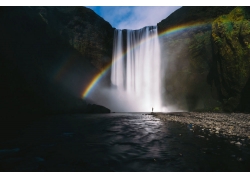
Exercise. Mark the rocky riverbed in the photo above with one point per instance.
(234, 127)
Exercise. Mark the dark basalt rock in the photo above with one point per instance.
(195, 14)
(83, 29)
(41, 71)
(93, 108)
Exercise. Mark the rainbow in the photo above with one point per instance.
(95, 80)
(170, 31)
(67, 63)
(180, 28)
(98, 76)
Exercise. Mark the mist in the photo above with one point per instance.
(138, 77)
(185, 67)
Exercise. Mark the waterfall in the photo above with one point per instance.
(135, 72)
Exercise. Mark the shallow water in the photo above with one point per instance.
(119, 142)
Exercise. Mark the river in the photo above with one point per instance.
(120, 142)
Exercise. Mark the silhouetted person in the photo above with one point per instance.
(152, 109)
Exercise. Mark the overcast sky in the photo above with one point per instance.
(133, 17)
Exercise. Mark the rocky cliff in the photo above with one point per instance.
(206, 58)
(45, 61)
(83, 29)
(231, 63)
(49, 55)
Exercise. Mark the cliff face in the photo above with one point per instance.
(207, 62)
(43, 69)
(231, 63)
(49, 54)
(83, 29)
(185, 15)
(187, 56)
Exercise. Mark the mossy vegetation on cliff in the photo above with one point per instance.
(231, 65)
(209, 62)
(187, 57)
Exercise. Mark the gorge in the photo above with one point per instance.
(64, 69)
(190, 80)
(190, 58)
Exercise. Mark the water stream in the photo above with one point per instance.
(118, 142)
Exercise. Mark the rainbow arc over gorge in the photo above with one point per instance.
(170, 31)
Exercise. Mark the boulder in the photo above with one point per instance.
(94, 108)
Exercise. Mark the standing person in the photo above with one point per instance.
(152, 109)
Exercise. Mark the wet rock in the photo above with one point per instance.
(238, 143)
(220, 124)
(93, 108)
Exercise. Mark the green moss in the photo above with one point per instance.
(231, 41)
(217, 109)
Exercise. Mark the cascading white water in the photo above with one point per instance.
(135, 72)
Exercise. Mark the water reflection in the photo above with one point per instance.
(119, 142)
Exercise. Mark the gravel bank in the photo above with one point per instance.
(221, 124)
